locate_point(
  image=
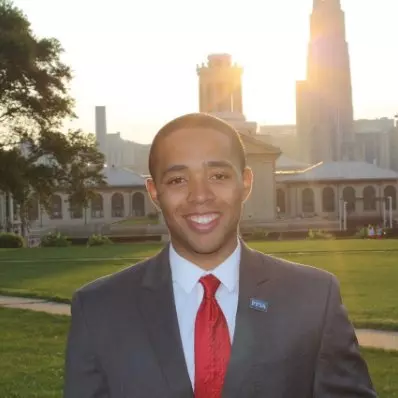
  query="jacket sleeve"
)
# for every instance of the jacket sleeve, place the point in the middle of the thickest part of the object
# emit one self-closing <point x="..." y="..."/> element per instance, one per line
<point x="84" y="377"/>
<point x="341" y="372"/>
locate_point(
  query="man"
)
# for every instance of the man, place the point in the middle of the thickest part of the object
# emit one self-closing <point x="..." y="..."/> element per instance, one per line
<point x="208" y="317"/>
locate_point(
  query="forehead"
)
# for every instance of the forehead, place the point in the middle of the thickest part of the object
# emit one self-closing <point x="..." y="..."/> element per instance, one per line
<point x="195" y="144"/>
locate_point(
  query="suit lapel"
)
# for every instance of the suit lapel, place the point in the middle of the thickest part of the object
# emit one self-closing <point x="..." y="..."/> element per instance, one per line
<point x="252" y="284"/>
<point x="160" y="317"/>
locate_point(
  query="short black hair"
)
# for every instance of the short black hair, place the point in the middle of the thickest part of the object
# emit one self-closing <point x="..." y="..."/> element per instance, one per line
<point x="195" y="120"/>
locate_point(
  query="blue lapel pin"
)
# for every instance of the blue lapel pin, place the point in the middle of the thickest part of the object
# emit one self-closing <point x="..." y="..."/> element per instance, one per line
<point x="258" y="305"/>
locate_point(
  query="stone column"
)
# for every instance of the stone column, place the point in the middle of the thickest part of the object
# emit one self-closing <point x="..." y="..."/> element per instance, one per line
<point x="318" y="199"/>
<point x="107" y="206"/>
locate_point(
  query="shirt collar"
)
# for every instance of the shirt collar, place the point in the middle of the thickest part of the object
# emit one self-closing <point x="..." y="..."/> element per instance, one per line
<point x="187" y="274"/>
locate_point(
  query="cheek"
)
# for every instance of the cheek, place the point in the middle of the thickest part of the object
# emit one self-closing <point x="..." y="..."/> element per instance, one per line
<point x="170" y="202"/>
<point x="233" y="196"/>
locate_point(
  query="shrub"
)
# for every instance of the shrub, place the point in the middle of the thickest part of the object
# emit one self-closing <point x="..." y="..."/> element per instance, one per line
<point x="153" y="216"/>
<point x="259" y="234"/>
<point x="319" y="234"/>
<point x="54" y="239"/>
<point x="98" y="240"/>
<point x="362" y="233"/>
<point x="9" y="240"/>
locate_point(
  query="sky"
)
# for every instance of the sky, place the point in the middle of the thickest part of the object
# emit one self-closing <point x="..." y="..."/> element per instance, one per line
<point x="139" y="58"/>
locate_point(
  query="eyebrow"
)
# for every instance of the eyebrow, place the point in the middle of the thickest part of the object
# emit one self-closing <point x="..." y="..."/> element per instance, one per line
<point x="211" y="163"/>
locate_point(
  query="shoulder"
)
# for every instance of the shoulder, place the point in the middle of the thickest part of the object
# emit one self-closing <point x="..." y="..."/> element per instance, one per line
<point x="119" y="286"/>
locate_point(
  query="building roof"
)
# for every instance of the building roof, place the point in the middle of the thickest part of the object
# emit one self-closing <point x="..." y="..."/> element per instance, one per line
<point x="335" y="171"/>
<point x="285" y="163"/>
<point x="366" y="126"/>
<point x="254" y="146"/>
<point x="123" y="177"/>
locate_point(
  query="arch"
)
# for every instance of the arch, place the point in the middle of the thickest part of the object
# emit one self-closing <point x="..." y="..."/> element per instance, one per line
<point x="349" y="196"/>
<point x="369" y="198"/>
<point x="56" y="207"/>
<point x="308" y="200"/>
<point x="281" y="200"/>
<point x="390" y="190"/>
<point x="328" y="200"/>
<point x="97" y="206"/>
<point x="117" y="203"/>
<point x="138" y="202"/>
<point x="33" y="209"/>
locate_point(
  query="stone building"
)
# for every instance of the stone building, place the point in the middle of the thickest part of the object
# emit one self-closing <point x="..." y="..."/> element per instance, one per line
<point x="321" y="190"/>
<point x="124" y="197"/>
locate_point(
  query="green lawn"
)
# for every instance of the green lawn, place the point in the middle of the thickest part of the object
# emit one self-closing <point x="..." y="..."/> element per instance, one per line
<point x="367" y="271"/>
<point x="32" y="357"/>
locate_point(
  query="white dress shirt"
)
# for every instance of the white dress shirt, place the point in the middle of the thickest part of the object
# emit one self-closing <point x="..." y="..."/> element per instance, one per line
<point x="188" y="294"/>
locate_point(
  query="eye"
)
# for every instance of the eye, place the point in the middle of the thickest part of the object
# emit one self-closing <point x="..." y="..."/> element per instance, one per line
<point x="219" y="176"/>
<point x="175" y="181"/>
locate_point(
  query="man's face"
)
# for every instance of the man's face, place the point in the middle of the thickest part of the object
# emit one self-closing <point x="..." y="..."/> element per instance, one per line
<point x="200" y="188"/>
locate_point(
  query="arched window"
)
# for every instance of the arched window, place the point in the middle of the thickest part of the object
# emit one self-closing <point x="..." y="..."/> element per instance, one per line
<point x="56" y="207"/>
<point x="369" y="198"/>
<point x="308" y="200"/>
<point x="281" y="200"/>
<point x="391" y="191"/>
<point x="76" y="210"/>
<point x="117" y="205"/>
<point x="328" y="200"/>
<point x="349" y="197"/>
<point x="97" y="206"/>
<point x="138" y="204"/>
<point x="33" y="209"/>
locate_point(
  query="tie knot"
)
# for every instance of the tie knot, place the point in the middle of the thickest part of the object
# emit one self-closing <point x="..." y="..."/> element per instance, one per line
<point x="210" y="285"/>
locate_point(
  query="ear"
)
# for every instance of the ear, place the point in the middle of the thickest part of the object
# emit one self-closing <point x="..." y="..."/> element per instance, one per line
<point x="152" y="191"/>
<point x="247" y="176"/>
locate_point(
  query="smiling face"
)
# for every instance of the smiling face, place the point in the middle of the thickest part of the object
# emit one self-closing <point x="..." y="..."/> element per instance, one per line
<point x="200" y="187"/>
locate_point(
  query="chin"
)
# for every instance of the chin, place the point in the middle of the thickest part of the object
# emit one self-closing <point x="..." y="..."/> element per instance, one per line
<point x="206" y="247"/>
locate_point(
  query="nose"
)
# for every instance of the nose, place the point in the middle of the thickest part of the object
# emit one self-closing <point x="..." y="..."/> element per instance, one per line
<point x="199" y="191"/>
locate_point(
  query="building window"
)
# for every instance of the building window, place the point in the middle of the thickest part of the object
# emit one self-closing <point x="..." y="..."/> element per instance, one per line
<point x="369" y="198"/>
<point x="76" y="211"/>
<point x="117" y="205"/>
<point x="281" y="200"/>
<point x="97" y="206"/>
<point x="33" y="209"/>
<point x="350" y="198"/>
<point x="328" y="200"/>
<point x="391" y="191"/>
<point x="138" y="203"/>
<point x="308" y="200"/>
<point x="56" y="207"/>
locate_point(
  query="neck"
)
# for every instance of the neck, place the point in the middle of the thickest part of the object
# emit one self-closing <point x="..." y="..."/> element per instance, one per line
<point x="207" y="261"/>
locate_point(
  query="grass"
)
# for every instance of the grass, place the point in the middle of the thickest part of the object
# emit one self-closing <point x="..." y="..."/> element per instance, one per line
<point x="32" y="357"/>
<point x="367" y="271"/>
<point x="32" y="354"/>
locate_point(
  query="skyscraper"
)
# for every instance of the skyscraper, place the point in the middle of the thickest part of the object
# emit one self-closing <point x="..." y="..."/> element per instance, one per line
<point x="324" y="110"/>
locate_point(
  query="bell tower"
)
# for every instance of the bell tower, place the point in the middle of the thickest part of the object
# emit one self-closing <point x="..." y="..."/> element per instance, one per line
<point x="220" y="85"/>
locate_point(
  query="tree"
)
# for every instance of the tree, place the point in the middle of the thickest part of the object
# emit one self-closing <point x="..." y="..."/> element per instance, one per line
<point x="36" y="159"/>
<point x="33" y="80"/>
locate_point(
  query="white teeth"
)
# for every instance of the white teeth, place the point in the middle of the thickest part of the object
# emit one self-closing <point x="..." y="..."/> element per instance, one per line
<point x="204" y="219"/>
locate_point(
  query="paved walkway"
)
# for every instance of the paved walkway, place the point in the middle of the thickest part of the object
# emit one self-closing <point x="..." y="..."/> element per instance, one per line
<point x="367" y="338"/>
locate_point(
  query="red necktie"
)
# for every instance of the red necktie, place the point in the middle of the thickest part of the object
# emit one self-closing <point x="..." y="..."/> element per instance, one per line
<point x="212" y="343"/>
